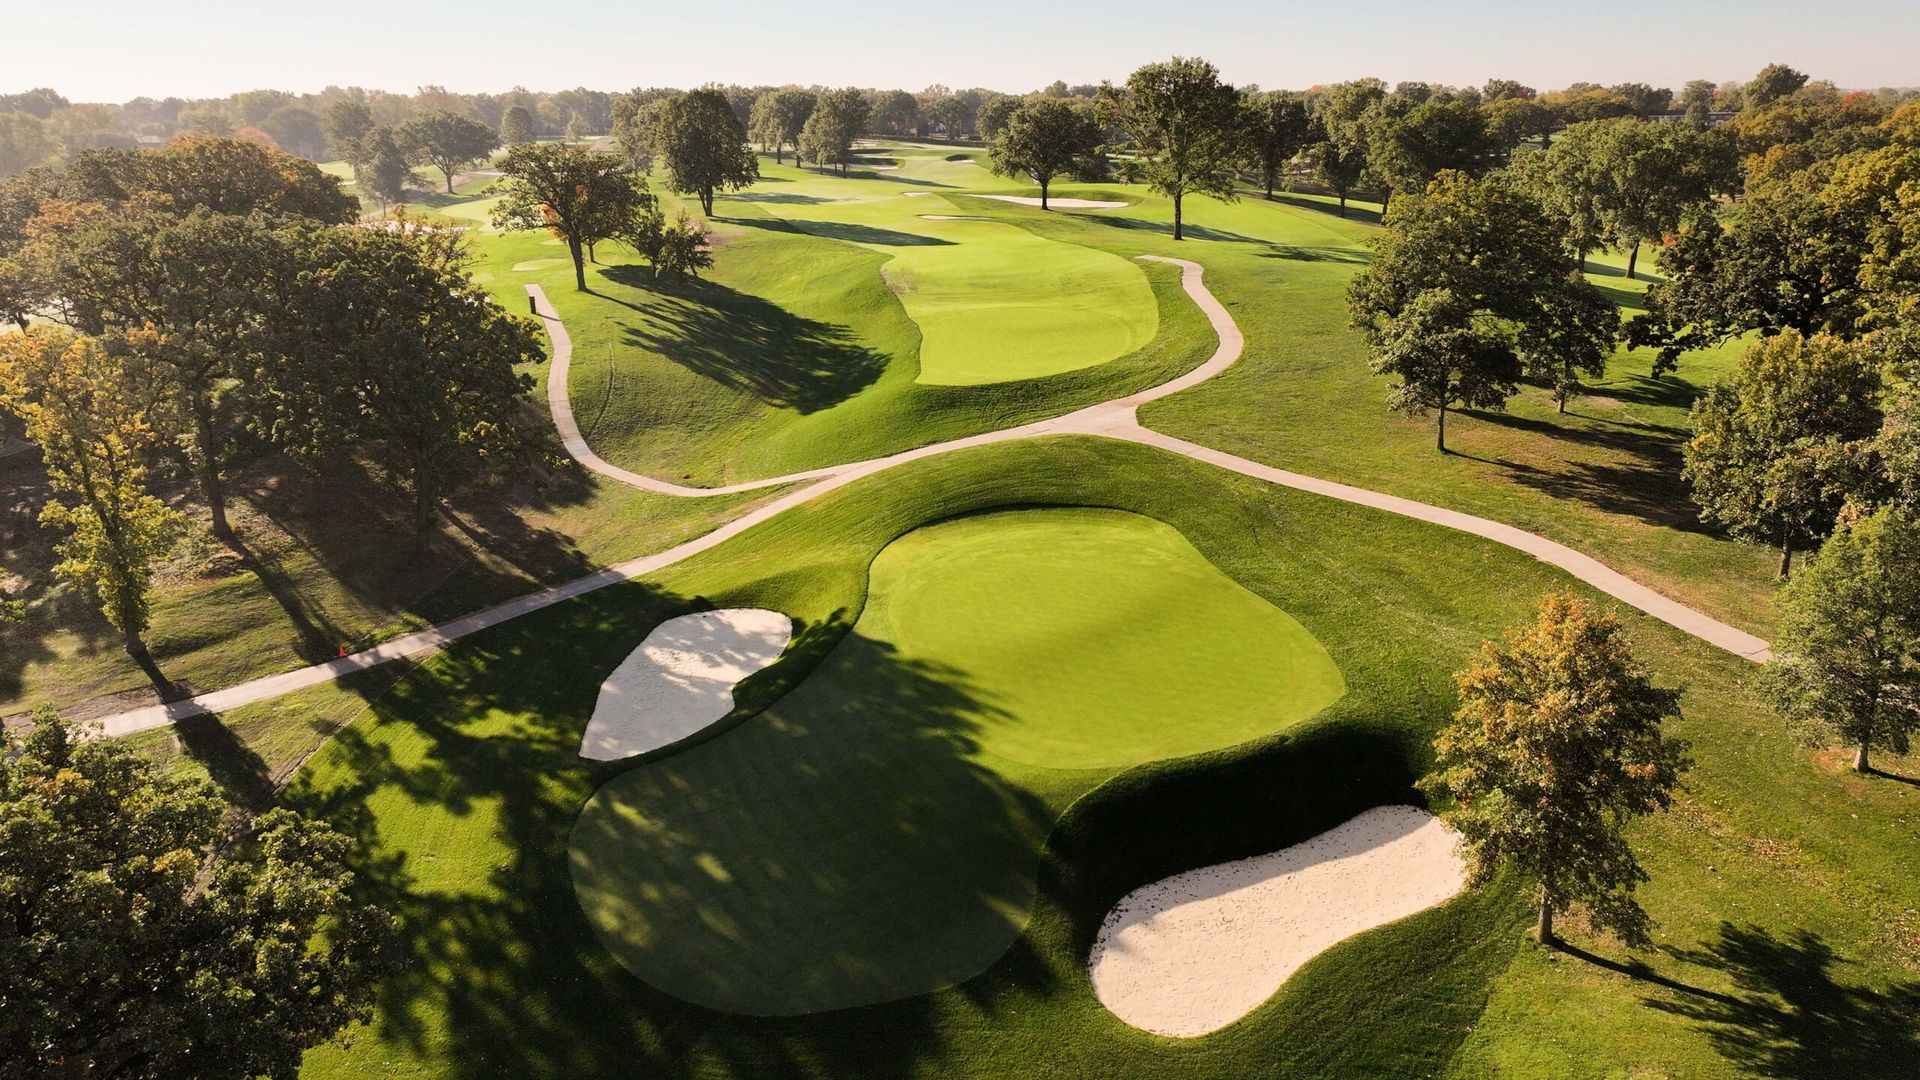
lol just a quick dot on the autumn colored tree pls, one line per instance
(92, 437)
(1556, 748)
(566, 189)
(1846, 664)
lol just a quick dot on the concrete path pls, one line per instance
(1116, 419)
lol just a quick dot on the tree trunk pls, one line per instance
(1440, 434)
(778, 150)
(1043, 194)
(579, 264)
(137, 650)
(1860, 758)
(212, 488)
(422, 520)
(1786, 558)
(706, 201)
(1632, 258)
(1176, 217)
(1343, 202)
(591, 257)
(1543, 929)
(449, 173)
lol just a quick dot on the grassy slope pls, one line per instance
(894, 804)
(463, 786)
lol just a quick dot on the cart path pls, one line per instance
(1115, 419)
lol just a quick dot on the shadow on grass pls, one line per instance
(1355, 211)
(849, 232)
(1643, 480)
(27, 559)
(748, 343)
(479, 752)
(782, 198)
(240, 773)
(1189, 230)
(1790, 1017)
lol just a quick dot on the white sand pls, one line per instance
(1192, 953)
(681, 679)
(915, 194)
(1070, 204)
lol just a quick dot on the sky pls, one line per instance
(111, 50)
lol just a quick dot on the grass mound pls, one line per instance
(875, 834)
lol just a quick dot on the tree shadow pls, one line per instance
(504, 974)
(1642, 481)
(748, 343)
(782, 198)
(27, 557)
(231, 764)
(1189, 230)
(1789, 1016)
(1355, 211)
(847, 231)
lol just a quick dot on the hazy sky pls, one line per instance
(110, 50)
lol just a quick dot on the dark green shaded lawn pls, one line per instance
(874, 834)
(464, 786)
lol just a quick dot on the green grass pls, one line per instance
(463, 786)
(874, 835)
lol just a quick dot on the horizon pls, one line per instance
(216, 48)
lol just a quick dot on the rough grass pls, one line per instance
(894, 804)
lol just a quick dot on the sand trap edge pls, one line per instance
(680, 680)
(1190, 954)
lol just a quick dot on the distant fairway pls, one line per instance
(874, 834)
(993, 301)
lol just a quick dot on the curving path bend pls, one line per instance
(1115, 419)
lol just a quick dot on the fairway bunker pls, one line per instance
(1190, 954)
(681, 679)
(1069, 204)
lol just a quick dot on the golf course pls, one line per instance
(925, 633)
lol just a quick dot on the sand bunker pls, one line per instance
(915, 194)
(1192, 953)
(681, 679)
(1070, 204)
(952, 217)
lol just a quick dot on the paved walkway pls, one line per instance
(1116, 419)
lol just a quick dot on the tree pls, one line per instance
(346, 123)
(402, 353)
(1407, 148)
(448, 141)
(1780, 444)
(92, 435)
(180, 300)
(1187, 125)
(516, 127)
(1278, 126)
(24, 143)
(828, 135)
(1555, 749)
(134, 952)
(895, 112)
(225, 176)
(704, 146)
(681, 247)
(1625, 182)
(297, 130)
(1774, 82)
(1340, 158)
(1846, 661)
(576, 129)
(1781, 259)
(780, 115)
(1696, 102)
(1043, 138)
(1472, 286)
(562, 188)
(386, 174)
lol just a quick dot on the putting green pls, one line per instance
(874, 835)
(993, 301)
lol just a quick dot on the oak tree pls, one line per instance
(1187, 125)
(1044, 138)
(704, 146)
(448, 141)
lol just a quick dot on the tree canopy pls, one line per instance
(1555, 749)
(1044, 138)
(568, 189)
(141, 943)
(448, 141)
(1187, 125)
(704, 146)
